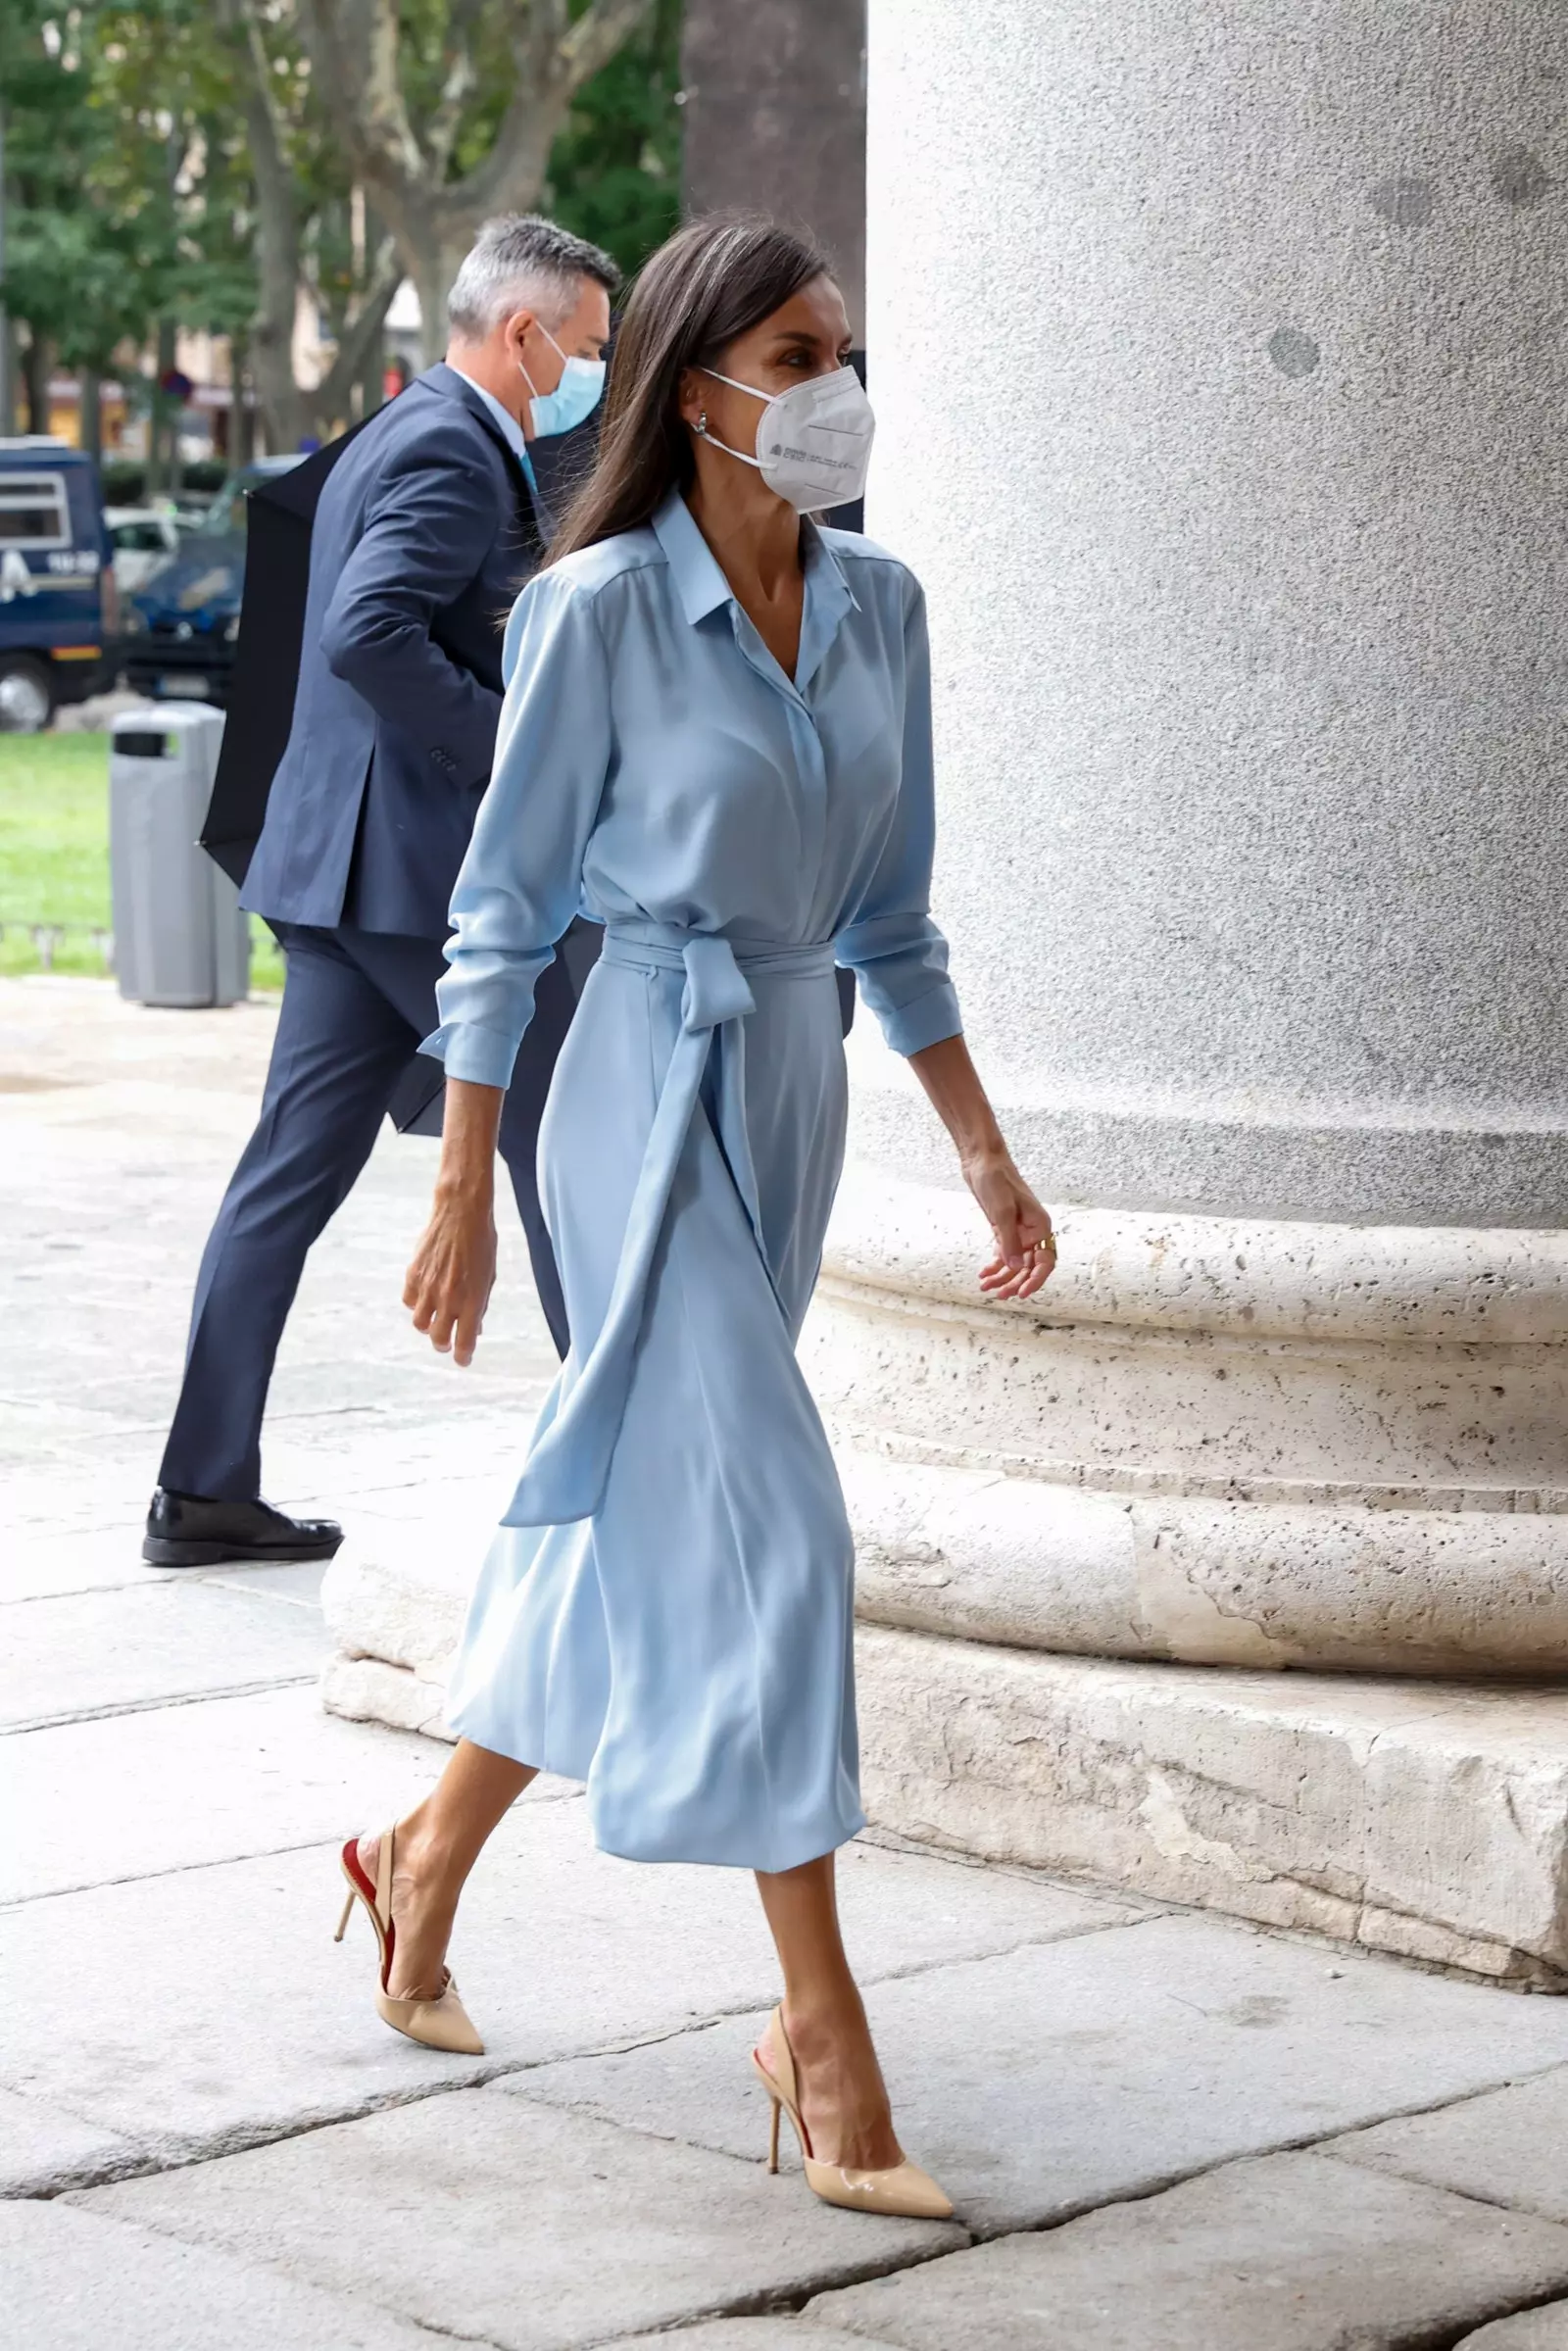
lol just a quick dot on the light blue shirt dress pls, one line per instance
(665, 1613)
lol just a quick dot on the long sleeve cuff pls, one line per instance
(910, 1028)
(479, 1057)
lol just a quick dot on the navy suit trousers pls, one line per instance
(356, 1004)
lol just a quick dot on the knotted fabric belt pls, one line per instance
(569, 1461)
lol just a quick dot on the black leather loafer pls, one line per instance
(187, 1530)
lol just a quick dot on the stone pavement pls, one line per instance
(1163, 2131)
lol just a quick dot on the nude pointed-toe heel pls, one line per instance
(904, 2190)
(440, 2023)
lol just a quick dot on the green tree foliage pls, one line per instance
(615, 168)
(134, 202)
(127, 184)
(614, 171)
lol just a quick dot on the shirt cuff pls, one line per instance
(910, 1028)
(479, 1057)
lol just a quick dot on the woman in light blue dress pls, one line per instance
(717, 742)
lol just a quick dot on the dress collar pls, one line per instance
(828, 598)
(693, 566)
(702, 587)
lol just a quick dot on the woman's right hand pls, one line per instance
(453, 1272)
(454, 1269)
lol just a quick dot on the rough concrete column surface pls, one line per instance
(1220, 381)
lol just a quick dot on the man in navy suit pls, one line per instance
(427, 527)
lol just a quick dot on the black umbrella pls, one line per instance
(280, 515)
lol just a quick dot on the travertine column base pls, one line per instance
(1428, 1822)
(1221, 1442)
(394, 1608)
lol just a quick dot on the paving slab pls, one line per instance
(77, 2282)
(249, 2022)
(91, 1651)
(297, 1580)
(1051, 2079)
(1508, 2148)
(108, 1217)
(42, 1564)
(1545, 2329)
(37, 1502)
(533, 2229)
(39, 2142)
(754, 2335)
(1290, 2253)
(127, 1795)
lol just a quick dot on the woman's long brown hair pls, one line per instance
(714, 280)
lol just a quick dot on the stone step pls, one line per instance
(1426, 1819)
(1197, 1580)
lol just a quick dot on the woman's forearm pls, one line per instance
(1026, 1245)
(953, 1084)
(469, 1131)
(454, 1266)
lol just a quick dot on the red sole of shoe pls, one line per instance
(362, 1886)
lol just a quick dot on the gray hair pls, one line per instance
(520, 262)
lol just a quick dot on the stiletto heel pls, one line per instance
(903, 2190)
(772, 2136)
(439, 2024)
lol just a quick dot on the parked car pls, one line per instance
(59, 604)
(180, 626)
(142, 537)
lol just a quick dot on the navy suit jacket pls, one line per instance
(424, 534)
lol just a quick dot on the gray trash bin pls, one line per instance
(179, 935)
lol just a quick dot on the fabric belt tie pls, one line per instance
(568, 1464)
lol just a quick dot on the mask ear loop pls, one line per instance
(700, 428)
(554, 346)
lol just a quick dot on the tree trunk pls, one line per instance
(367, 394)
(277, 234)
(433, 265)
(161, 425)
(431, 215)
(92, 413)
(35, 381)
(272, 365)
(241, 414)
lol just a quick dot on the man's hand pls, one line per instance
(453, 1273)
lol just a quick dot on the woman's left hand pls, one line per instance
(1026, 1245)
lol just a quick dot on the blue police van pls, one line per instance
(181, 625)
(59, 613)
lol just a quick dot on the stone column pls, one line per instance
(1221, 380)
(775, 120)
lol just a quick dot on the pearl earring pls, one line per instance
(702, 422)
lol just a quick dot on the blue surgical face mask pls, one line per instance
(576, 395)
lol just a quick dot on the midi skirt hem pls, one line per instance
(627, 1848)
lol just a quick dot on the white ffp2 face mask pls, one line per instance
(813, 442)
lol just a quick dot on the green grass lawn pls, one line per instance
(54, 857)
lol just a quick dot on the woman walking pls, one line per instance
(717, 742)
